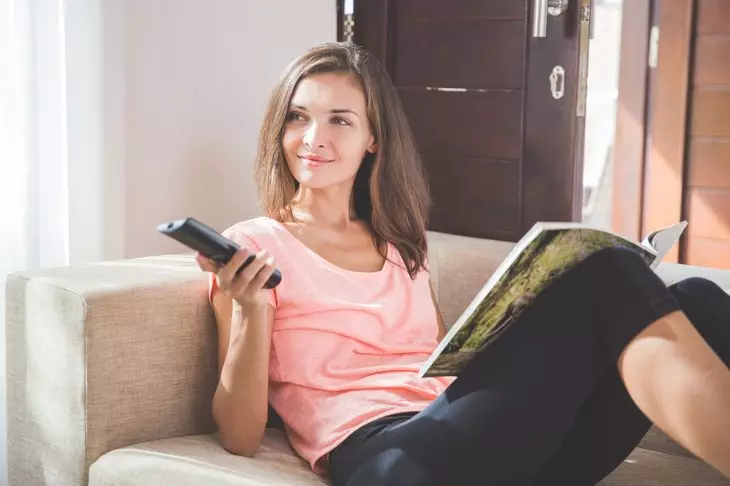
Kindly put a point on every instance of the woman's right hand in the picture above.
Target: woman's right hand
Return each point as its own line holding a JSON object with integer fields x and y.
{"x": 246, "y": 287}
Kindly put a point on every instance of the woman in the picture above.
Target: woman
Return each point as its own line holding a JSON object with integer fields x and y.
{"x": 337, "y": 346}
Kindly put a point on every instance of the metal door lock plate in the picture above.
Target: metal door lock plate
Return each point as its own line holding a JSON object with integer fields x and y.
{"x": 557, "y": 82}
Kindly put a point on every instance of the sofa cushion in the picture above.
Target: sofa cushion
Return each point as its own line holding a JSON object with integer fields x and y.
{"x": 196, "y": 460}
{"x": 200, "y": 460}
{"x": 672, "y": 272}
{"x": 460, "y": 266}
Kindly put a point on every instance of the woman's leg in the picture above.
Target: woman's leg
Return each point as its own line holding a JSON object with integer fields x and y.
{"x": 595, "y": 446}
{"x": 708, "y": 307}
{"x": 508, "y": 413}
{"x": 679, "y": 381}
{"x": 607, "y": 429}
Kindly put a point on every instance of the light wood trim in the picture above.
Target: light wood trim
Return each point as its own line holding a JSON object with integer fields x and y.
{"x": 712, "y": 61}
{"x": 706, "y": 252}
{"x": 710, "y": 163}
{"x": 712, "y": 17}
{"x": 628, "y": 151}
{"x": 708, "y": 211}
{"x": 711, "y": 113}
{"x": 665, "y": 155}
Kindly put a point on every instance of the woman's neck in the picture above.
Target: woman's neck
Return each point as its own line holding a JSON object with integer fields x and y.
{"x": 329, "y": 208}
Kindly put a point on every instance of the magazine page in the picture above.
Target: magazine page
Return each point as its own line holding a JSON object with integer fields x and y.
{"x": 545, "y": 253}
{"x": 661, "y": 241}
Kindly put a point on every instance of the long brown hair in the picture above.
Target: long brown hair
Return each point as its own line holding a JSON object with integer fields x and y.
{"x": 390, "y": 192}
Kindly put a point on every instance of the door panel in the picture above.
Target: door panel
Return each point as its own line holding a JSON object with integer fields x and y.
{"x": 451, "y": 61}
{"x": 708, "y": 209}
{"x": 460, "y": 9}
{"x": 711, "y": 66}
{"x": 552, "y": 150}
{"x": 434, "y": 128}
{"x": 706, "y": 195}
{"x": 709, "y": 164}
{"x": 490, "y": 188}
{"x": 711, "y": 114}
{"x": 499, "y": 151}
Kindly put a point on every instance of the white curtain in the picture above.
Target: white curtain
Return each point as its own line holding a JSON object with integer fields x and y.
{"x": 33, "y": 165}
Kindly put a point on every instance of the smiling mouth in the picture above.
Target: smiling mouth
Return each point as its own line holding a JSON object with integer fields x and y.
{"x": 315, "y": 161}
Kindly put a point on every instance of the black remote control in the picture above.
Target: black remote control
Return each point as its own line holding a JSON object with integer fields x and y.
{"x": 209, "y": 243}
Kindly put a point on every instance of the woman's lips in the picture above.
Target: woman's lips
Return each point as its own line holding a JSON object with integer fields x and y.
{"x": 314, "y": 161}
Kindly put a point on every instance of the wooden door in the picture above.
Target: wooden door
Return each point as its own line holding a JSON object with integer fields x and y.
{"x": 672, "y": 160}
{"x": 707, "y": 186}
{"x": 501, "y": 151}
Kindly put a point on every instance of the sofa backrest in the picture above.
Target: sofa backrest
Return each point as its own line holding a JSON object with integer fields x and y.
{"x": 460, "y": 266}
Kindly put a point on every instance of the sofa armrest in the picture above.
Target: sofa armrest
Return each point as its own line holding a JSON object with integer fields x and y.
{"x": 674, "y": 272}
{"x": 102, "y": 356}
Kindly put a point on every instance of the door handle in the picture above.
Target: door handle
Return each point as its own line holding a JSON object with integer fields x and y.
{"x": 540, "y": 11}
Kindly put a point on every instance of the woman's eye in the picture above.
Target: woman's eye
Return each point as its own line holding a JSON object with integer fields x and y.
{"x": 340, "y": 121}
{"x": 294, "y": 116}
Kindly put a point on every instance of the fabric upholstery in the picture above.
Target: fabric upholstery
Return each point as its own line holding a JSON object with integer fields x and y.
{"x": 103, "y": 356}
{"x": 459, "y": 268}
{"x": 105, "y": 359}
{"x": 199, "y": 460}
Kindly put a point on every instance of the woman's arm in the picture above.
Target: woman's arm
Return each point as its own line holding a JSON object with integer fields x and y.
{"x": 240, "y": 402}
{"x": 439, "y": 318}
{"x": 245, "y": 316}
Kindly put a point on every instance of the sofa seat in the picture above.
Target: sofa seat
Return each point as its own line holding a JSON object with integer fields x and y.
{"x": 199, "y": 459}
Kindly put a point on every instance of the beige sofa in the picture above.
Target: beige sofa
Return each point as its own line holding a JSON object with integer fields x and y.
{"x": 111, "y": 370}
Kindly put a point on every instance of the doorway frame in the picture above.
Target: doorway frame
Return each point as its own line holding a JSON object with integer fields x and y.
{"x": 631, "y": 116}
{"x": 650, "y": 145}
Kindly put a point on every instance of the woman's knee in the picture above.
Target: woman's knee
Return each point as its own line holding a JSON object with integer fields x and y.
{"x": 702, "y": 300}
{"x": 619, "y": 261}
{"x": 620, "y": 274}
{"x": 707, "y": 306}
{"x": 697, "y": 288}
{"x": 618, "y": 253}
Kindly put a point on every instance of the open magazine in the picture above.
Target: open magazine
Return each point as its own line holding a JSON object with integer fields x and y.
{"x": 541, "y": 256}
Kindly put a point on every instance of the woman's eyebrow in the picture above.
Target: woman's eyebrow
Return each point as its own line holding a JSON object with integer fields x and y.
{"x": 335, "y": 111}
{"x": 345, "y": 111}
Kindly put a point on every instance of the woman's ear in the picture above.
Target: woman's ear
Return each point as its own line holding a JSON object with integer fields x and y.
{"x": 372, "y": 147}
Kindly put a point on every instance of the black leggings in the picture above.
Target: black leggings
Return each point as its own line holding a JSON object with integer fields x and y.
{"x": 544, "y": 404}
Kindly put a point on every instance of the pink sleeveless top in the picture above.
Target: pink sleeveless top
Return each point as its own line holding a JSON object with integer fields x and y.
{"x": 346, "y": 346}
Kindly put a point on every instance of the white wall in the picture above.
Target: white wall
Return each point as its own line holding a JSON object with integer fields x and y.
{"x": 196, "y": 80}
{"x": 165, "y": 102}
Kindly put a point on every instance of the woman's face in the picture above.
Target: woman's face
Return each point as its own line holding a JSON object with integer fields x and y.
{"x": 327, "y": 133}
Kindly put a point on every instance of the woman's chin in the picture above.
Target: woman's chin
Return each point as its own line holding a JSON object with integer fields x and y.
{"x": 310, "y": 180}
{"x": 314, "y": 181}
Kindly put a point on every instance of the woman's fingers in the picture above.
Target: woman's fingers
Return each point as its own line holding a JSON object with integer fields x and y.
{"x": 243, "y": 282}
{"x": 266, "y": 270}
{"x": 227, "y": 274}
{"x": 205, "y": 264}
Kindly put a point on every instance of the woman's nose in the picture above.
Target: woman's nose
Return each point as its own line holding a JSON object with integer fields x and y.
{"x": 314, "y": 136}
